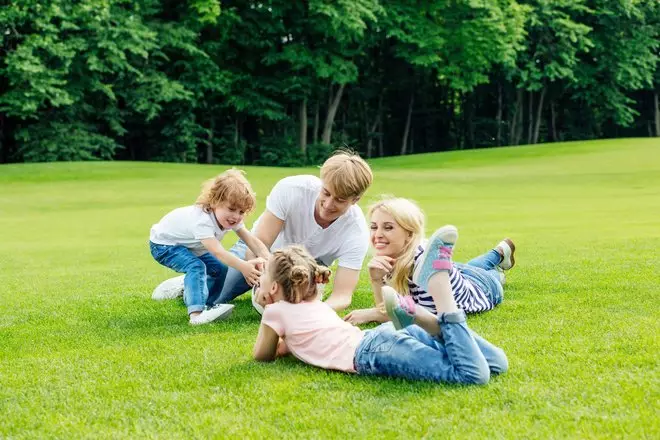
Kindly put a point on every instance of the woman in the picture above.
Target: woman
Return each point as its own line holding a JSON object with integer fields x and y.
{"x": 396, "y": 234}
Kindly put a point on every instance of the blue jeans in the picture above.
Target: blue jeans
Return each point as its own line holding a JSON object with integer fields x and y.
{"x": 235, "y": 285}
{"x": 205, "y": 274}
{"x": 481, "y": 271}
{"x": 457, "y": 355}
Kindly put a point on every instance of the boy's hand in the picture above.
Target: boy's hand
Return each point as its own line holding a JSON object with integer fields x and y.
{"x": 252, "y": 270}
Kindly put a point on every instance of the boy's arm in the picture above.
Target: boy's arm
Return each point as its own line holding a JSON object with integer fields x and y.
{"x": 253, "y": 243}
{"x": 266, "y": 345}
{"x": 215, "y": 247}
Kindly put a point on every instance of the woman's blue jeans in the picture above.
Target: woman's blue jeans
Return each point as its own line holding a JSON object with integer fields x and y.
{"x": 482, "y": 272}
{"x": 457, "y": 355}
{"x": 205, "y": 274}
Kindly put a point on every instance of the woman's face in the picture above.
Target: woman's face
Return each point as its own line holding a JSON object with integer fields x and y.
{"x": 388, "y": 238}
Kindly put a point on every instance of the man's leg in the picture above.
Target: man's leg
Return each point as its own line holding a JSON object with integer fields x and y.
{"x": 234, "y": 284}
{"x": 216, "y": 273}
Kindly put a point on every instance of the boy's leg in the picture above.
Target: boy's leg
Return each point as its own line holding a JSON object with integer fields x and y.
{"x": 216, "y": 273}
{"x": 234, "y": 285}
{"x": 182, "y": 260}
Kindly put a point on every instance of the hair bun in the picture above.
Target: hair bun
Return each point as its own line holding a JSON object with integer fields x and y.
{"x": 299, "y": 276}
{"x": 321, "y": 275}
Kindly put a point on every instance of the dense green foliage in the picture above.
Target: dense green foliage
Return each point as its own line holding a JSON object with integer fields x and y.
{"x": 279, "y": 81}
{"x": 85, "y": 352}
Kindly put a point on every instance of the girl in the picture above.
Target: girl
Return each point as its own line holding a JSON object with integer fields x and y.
{"x": 188, "y": 240}
{"x": 416, "y": 345}
{"x": 397, "y": 230}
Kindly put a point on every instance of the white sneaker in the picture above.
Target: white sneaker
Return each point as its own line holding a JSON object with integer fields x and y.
{"x": 255, "y": 304}
{"x": 507, "y": 249}
{"x": 217, "y": 313}
{"x": 169, "y": 289}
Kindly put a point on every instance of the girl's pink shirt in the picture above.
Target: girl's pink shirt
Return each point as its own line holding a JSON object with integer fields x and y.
{"x": 315, "y": 334}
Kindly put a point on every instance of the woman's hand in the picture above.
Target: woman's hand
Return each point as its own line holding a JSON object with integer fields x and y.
{"x": 362, "y": 316}
{"x": 379, "y": 267}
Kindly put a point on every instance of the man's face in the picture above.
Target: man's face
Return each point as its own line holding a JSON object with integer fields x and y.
{"x": 330, "y": 207}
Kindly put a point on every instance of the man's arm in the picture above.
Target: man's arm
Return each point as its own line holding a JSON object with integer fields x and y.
{"x": 268, "y": 228}
{"x": 343, "y": 287}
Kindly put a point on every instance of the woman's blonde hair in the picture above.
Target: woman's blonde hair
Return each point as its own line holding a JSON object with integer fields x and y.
{"x": 347, "y": 174}
{"x": 297, "y": 273}
{"x": 409, "y": 216}
{"x": 231, "y": 187}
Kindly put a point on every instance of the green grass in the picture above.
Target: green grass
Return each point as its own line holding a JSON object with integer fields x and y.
{"x": 85, "y": 352}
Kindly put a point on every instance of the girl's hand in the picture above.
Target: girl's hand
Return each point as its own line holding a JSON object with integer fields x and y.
{"x": 379, "y": 267}
{"x": 252, "y": 270}
{"x": 362, "y": 316}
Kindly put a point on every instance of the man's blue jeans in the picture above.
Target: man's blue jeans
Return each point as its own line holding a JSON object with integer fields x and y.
{"x": 481, "y": 271}
{"x": 235, "y": 284}
{"x": 458, "y": 355}
{"x": 205, "y": 274}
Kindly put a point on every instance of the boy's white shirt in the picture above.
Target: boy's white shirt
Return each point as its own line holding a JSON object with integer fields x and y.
{"x": 188, "y": 226}
{"x": 292, "y": 200}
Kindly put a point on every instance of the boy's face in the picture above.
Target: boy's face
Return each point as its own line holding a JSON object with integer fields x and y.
{"x": 330, "y": 207}
{"x": 228, "y": 216}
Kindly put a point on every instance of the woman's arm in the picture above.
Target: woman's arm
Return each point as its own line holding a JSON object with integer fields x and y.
{"x": 363, "y": 316}
{"x": 266, "y": 346}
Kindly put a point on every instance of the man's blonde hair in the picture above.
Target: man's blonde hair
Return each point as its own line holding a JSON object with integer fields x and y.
{"x": 410, "y": 217}
{"x": 347, "y": 174}
{"x": 230, "y": 187}
{"x": 297, "y": 273}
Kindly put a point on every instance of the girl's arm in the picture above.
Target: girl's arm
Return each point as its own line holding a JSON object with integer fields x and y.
{"x": 250, "y": 269}
{"x": 253, "y": 243}
{"x": 266, "y": 346}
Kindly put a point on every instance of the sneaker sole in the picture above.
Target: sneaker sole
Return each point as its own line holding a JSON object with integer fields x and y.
{"x": 513, "y": 251}
{"x": 390, "y": 304}
{"x": 436, "y": 234}
{"x": 225, "y": 314}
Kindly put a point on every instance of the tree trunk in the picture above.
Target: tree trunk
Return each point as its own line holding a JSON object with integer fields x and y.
{"x": 236, "y": 137}
{"x": 406, "y": 131}
{"x": 330, "y": 117}
{"x": 209, "y": 144}
{"x": 530, "y": 124}
{"x": 315, "y": 135}
{"x": 303, "y": 126}
{"x": 370, "y": 131}
{"x": 498, "y": 117}
{"x": 553, "y": 122}
{"x": 656, "y": 110}
{"x": 537, "y": 127}
{"x": 513, "y": 131}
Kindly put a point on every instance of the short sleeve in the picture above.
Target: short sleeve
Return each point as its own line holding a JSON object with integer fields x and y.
{"x": 202, "y": 227}
{"x": 279, "y": 200}
{"x": 353, "y": 256}
{"x": 272, "y": 317}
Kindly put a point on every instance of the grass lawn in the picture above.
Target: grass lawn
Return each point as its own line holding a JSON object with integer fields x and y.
{"x": 85, "y": 352}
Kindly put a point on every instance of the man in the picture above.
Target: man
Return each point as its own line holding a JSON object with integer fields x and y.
{"x": 321, "y": 215}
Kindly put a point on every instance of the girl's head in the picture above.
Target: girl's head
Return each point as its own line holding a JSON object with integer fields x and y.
{"x": 397, "y": 229}
{"x": 292, "y": 274}
{"x": 229, "y": 196}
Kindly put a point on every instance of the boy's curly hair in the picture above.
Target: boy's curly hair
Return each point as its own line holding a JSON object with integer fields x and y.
{"x": 230, "y": 187}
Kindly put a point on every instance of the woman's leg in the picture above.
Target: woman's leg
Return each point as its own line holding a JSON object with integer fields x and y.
{"x": 501, "y": 256}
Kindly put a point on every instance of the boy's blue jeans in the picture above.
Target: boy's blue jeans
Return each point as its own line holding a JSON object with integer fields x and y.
{"x": 205, "y": 274}
{"x": 458, "y": 355}
{"x": 481, "y": 271}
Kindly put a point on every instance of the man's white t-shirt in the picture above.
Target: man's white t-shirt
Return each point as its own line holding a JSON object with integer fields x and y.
{"x": 346, "y": 239}
{"x": 188, "y": 226}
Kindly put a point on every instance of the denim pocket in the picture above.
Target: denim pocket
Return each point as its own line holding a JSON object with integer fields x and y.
{"x": 382, "y": 339}
{"x": 157, "y": 250}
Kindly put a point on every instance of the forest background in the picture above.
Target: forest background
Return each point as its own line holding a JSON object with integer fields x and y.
{"x": 284, "y": 82}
